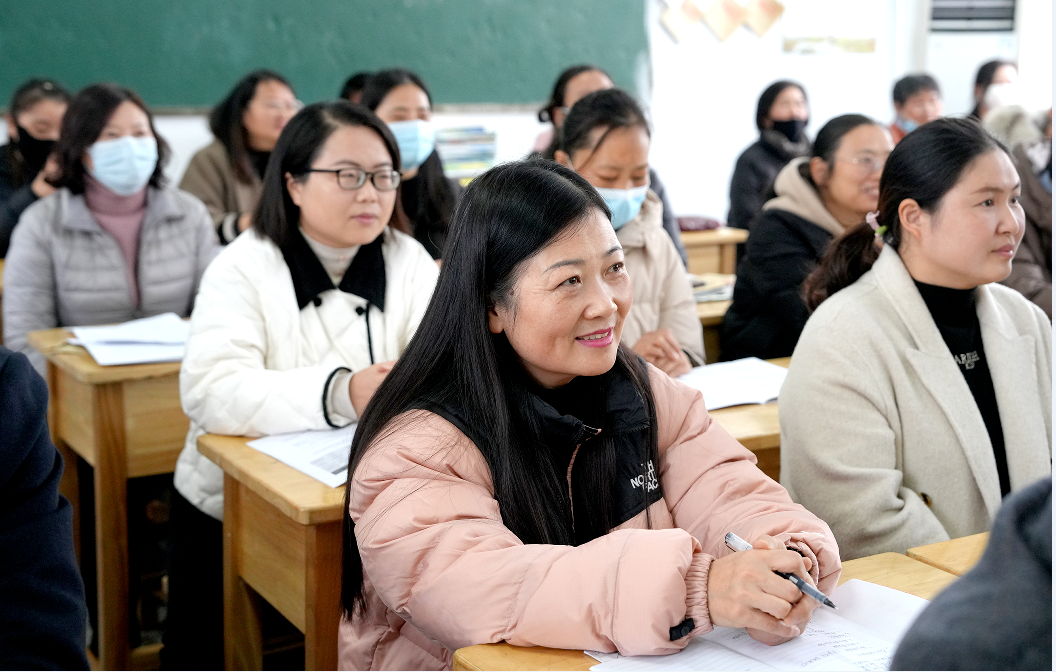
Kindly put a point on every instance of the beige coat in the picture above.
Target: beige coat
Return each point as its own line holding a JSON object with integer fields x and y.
{"x": 211, "y": 178}
{"x": 663, "y": 295}
{"x": 880, "y": 434}
{"x": 443, "y": 572}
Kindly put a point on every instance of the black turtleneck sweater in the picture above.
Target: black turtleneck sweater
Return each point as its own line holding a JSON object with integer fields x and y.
{"x": 259, "y": 161}
{"x": 954, "y": 313}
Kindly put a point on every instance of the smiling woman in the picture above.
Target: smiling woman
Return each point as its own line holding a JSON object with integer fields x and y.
{"x": 936, "y": 382}
{"x": 517, "y": 449}
{"x": 296, "y": 324}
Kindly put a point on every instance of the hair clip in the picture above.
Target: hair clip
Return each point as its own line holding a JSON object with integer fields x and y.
{"x": 871, "y": 220}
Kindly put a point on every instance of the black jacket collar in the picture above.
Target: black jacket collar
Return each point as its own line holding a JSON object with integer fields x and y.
{"x": 365, "y": 276}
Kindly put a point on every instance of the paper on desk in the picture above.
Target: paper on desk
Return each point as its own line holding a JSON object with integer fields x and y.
{"x": 152, "y": 339}
{"x": 865, "y": 641}
{"x": 323, "y": 454}
{"x": 743, "y": 381}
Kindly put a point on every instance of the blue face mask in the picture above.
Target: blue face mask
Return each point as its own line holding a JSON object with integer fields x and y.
{"x": 123, "y": 165}
{"x": 416, "y": 139}
{"x": 624, "y": 203}
{"x": 907, "y": 125}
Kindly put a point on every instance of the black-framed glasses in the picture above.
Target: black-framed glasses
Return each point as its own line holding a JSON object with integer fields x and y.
{"x": 350, "y": 179}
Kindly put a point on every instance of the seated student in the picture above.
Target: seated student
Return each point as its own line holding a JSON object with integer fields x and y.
{"x": 352, "y": 91}
{"x": 112, "y": 243}
{"x": 917, "y": 101}
{"x": 33, "y": 121}
{"x": 781, "y": 117}
{"x": 42, "y": 609}
{"x": 605, "y": 139}
{"x": 401, "y": 99}
{"x": 573, "y": 84}
{"x": 921, "y": 394}
{"x": 522, "y": 476}
{"x": 227, "y": 173}
{"x": 817, "y": 200}
{"x": 998, "y": 71}
{"x": 998, "y": 616}
{"x": 1032, "y": 266}
{"x": 295, "y": 326}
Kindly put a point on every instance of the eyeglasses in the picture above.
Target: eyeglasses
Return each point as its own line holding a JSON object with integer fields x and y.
{"x": 351, "y": 179}
{"x": 280, "y": 106}
{"x": 867, "y": 164}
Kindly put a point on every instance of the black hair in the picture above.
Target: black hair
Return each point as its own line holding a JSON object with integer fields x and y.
{"x": 557, "y": 99}
{"x": 436, "y": 196}
{"x": 829, "y": 139}
{"x": 608, "y": 108}
{"x": 225, "y": 121}
{"x": 924, "y": 167}
{"x": 354, "y": 85}
{"x": 911, "y": 85}
{"x": 769, "y": 96}
{"x": 505, "y": 217}
{"x": 277, "y": 216}
{"x": 25, "y": 97}
{"x": 84, "y": 121}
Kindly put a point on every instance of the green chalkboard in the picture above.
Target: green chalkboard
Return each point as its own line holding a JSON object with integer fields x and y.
{"x": 188, "y": 53}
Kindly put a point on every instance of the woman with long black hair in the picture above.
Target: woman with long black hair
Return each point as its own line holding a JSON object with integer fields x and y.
{"x": 520, "y": 476}
{"x": 402, "y": 100}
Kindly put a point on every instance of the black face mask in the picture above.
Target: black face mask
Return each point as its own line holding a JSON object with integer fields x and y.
{"x": 791, "y": 128}
{"x": 34, "y": 152}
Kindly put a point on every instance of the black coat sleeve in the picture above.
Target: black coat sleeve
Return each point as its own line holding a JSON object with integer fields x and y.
{"x": 10, "y": 211}
{"x": 998, "y": 616}
{"x": 747, "y": 188}
{"x": 42, "y": 608}
{"x": 781, "y": 260}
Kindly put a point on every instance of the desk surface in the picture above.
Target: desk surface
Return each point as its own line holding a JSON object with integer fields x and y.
{"x": 297, "y": 495}
{"x": 720, "y": 236}
{"x": 75, "y": 360}
{"x": 887, "y": 569}
{"x": 955, "y": 556}
{"x": 711, "y": 313}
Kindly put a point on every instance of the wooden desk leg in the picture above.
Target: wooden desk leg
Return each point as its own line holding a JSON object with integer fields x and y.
{"x": 111, "y": 526}
{"x": 323, "y": 592}
{"x": 243, "y": 636}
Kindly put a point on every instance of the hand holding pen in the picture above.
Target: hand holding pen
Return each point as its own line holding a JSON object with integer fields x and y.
{"x": 744, "y": 591}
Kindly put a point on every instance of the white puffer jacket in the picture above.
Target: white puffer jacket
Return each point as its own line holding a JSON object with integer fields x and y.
{"x": 256, "y": 364}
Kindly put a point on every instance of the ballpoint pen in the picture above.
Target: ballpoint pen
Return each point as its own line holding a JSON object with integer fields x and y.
{"x": 735, "y": 543}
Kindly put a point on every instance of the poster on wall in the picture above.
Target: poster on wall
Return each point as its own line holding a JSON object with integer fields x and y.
{"x": 722, "y": 17}
{"x": 831, "y": 26}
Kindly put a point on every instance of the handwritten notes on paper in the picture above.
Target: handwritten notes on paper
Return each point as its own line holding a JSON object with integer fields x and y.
{"x": 863, "y": 635}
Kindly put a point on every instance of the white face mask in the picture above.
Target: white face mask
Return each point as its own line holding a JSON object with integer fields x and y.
{"x": 416, "y": 139}
{"x": 123, "y": 165}
{"x": 623, "y": 203}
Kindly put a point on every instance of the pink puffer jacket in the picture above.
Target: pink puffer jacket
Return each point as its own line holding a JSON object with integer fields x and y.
{"x": 442, "y": 572}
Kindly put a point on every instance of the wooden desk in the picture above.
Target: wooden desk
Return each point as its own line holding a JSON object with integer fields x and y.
{"x": 955, "y": 556}
{"x": 887, "y": 569}
{"x": 710, "y": 314}
{"x": 756, "y": 427}
{"x": 713, "y": 251}
{"x": 282, "y": 543}
{"x": 125, "y": 421}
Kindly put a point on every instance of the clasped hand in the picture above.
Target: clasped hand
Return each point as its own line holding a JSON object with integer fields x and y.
{"x": 743, "y": 591}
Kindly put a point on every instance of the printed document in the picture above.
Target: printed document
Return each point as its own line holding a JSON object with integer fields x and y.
{"x": 321, "y": 454}
{"x": 743, "y": 381}
{"x": 152, "y": 339}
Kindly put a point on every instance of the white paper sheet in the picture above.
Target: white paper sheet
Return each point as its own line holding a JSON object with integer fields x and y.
{"x": 323, "y": 455}
{"x": 743, "y": 381}
{"x": 152, "y": 339}
{"x": 862, "y": 635}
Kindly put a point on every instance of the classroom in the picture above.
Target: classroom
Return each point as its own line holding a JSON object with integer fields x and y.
{"x": 526, "y": 335}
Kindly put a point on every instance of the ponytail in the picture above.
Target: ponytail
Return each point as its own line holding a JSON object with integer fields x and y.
{"x": 846, "y": 259}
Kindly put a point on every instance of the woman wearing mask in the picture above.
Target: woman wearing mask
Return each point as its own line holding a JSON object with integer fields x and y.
{"x": 227, "y": 174}
{"x": 935, "y": 381}
{"x": 998, "y": 71}
{"x": 572, "y": 85}
{"x": 112, "y": 243}
{"x": 401, "y": 99}
{"x": 522, "y": 476}
{"x": 781, "y": 117}
{"x": 33, "y": 121}
{"x": 817, "y": 200}
{"x": 296, "y": 324}
{"x": 606, "y": 140}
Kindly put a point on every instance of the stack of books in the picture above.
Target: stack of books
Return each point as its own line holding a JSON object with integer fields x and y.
{"x": 465, "y": 152}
